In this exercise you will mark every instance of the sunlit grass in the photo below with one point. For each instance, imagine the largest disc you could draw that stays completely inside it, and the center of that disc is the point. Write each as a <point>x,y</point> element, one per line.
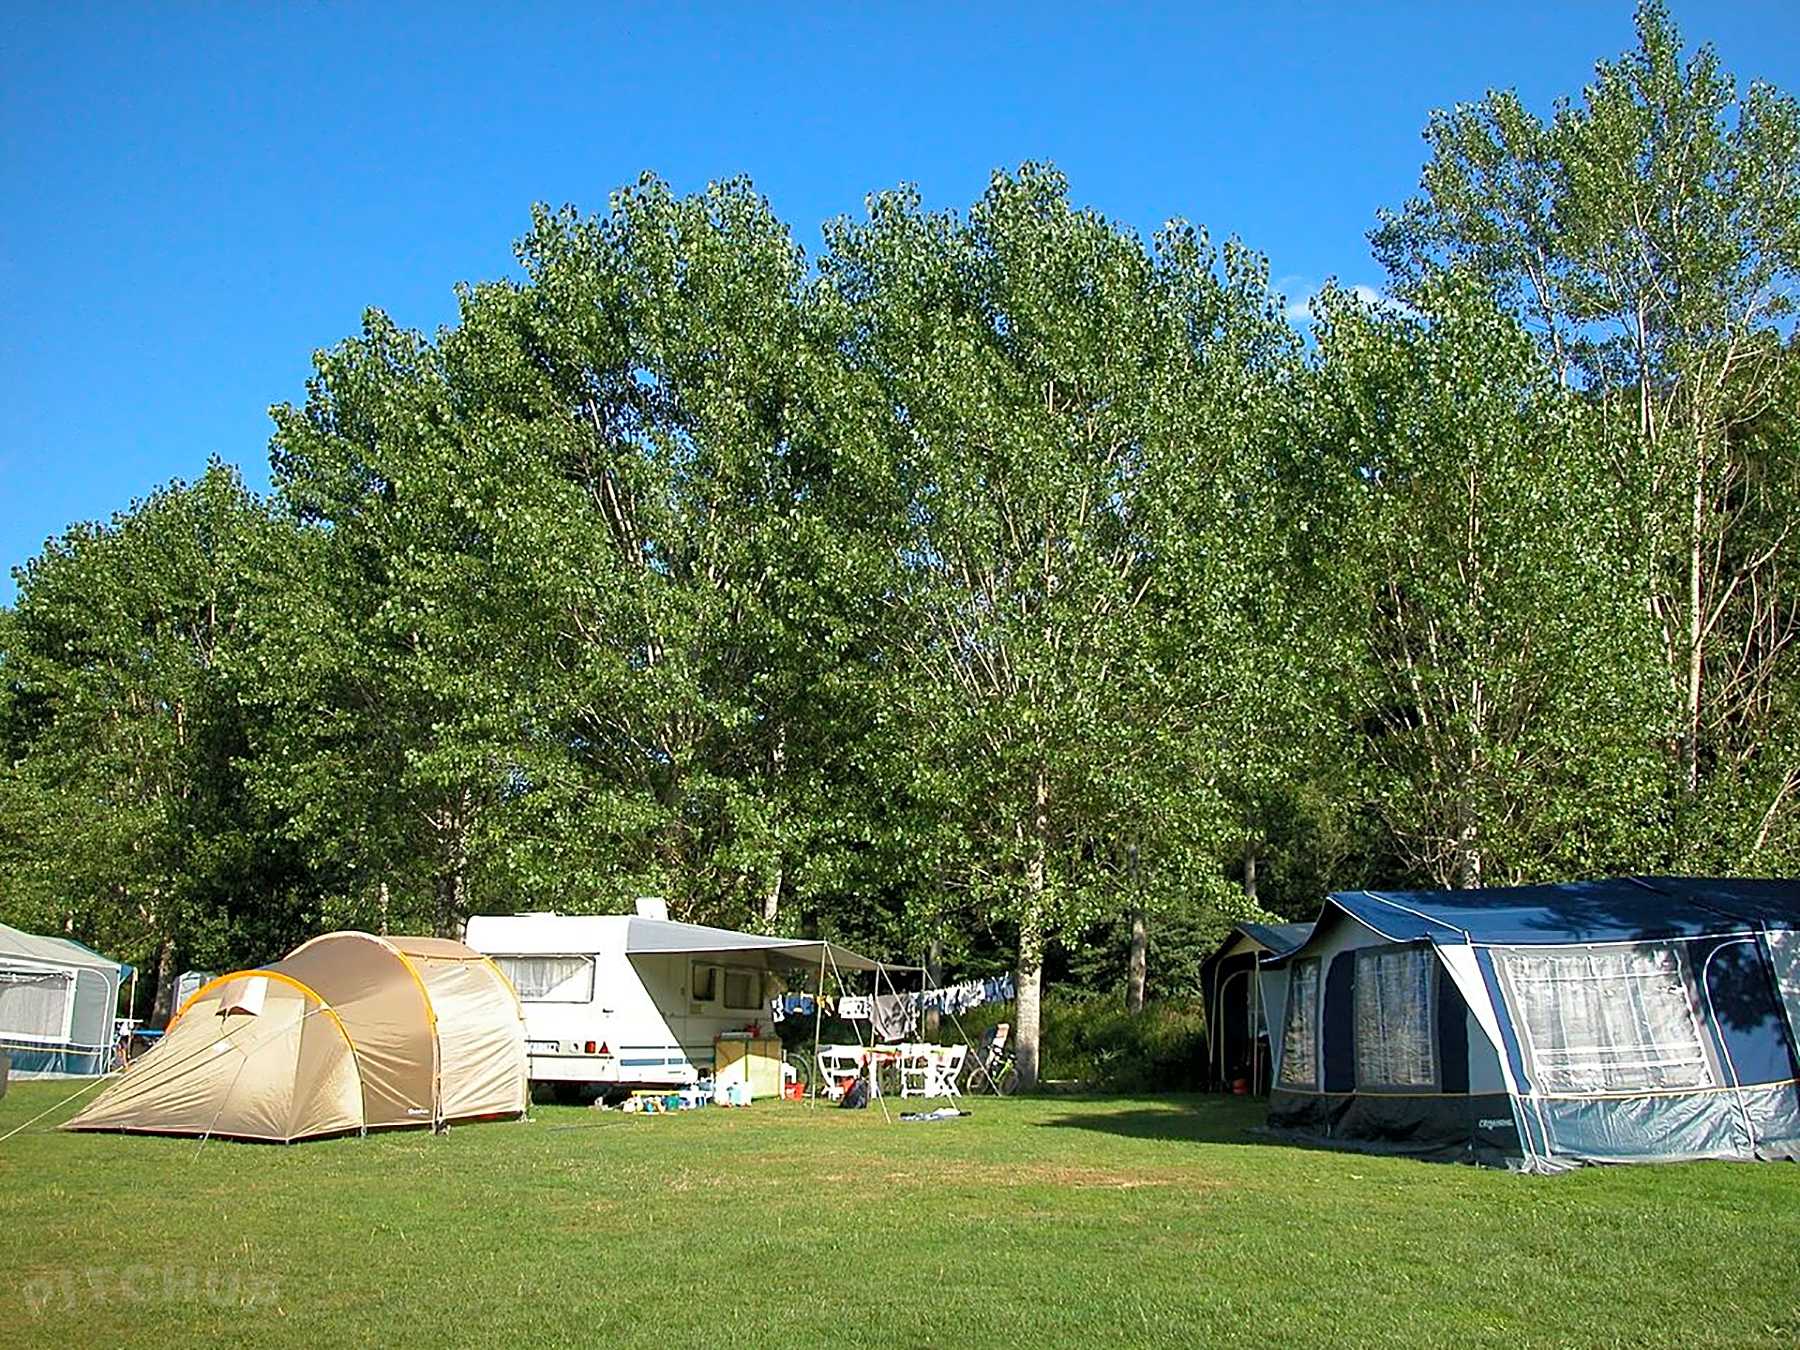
<point>1054,1221</point>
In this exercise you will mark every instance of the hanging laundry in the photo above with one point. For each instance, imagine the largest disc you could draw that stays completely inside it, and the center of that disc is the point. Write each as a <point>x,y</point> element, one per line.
<point>966,994</point>
<point>895,1016</point>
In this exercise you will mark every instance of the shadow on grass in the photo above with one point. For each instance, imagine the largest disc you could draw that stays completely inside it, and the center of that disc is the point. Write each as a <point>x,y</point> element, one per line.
<point>1199,1121</point>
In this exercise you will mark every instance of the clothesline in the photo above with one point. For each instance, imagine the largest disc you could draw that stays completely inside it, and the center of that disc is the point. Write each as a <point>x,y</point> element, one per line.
<point>894,1015</point>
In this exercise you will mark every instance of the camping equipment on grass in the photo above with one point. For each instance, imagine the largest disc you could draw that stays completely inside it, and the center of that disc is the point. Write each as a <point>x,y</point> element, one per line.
<point>1240,990</point>
<point>1632,1020</point>
<point>57,1002</point>
<point>349,1032</point>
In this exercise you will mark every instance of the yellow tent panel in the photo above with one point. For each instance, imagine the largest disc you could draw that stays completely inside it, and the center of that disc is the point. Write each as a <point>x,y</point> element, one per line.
<point>349,1032</point>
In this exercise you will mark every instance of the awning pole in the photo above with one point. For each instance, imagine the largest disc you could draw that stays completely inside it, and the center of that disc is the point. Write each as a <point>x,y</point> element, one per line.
<point>1255,1019</point>
<point>869,1047</point>
<point>812,1072</point>
<point>1214,1055</point>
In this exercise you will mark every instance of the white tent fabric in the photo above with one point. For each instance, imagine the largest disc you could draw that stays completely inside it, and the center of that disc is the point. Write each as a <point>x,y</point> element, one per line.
<point>652,936</point>
<point>57,1001</point>
<point>54,950</point>
<point>480,1029</point>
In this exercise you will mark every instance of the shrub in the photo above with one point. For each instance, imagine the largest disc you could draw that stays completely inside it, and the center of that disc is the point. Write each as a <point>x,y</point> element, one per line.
<point>1092,1039</point>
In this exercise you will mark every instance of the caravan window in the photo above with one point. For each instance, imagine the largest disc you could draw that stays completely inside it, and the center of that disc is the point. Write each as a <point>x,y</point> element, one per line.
<point>1394,1014</point>
<point>703,981</point>
<point>1607,1019</point>
<point>1300,1039</point>
<point>550,979</point>
<point>743,989</point>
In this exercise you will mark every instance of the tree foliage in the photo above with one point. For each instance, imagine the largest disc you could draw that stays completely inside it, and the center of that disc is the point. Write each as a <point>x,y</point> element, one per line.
<point>1504,679</point>
<point>995,585</point>
<point>1651,235</point>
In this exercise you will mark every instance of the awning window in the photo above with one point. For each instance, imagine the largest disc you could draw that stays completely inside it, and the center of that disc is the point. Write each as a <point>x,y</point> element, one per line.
<point>1599,1020</point>
<point>1395,1046</point>
<point>1300,1037</point>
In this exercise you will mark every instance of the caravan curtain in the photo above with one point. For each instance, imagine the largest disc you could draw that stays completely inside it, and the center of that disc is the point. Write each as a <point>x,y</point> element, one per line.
<point>550,979</point>
<point>1607,1019</point>
<point>1394,1042</point>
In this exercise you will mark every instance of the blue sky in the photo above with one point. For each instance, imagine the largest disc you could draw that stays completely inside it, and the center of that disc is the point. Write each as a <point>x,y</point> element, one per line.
<point>194,198</point>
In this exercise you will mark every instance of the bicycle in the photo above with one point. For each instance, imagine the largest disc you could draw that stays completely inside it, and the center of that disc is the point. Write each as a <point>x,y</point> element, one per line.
<point>993,1069</point>
<point>124,1030</point>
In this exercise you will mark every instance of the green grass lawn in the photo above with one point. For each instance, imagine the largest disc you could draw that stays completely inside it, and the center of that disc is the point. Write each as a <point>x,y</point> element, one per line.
<point>1054,1221</point>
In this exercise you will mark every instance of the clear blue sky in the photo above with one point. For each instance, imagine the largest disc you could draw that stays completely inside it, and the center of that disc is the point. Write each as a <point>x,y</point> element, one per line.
<point>194,198</point>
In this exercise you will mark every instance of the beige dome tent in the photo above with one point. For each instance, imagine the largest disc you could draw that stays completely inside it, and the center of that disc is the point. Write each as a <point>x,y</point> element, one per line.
<point>349,1032</point>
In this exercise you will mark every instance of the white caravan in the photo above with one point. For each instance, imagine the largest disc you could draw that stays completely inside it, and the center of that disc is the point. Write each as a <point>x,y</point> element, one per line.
<point>628,1001</point>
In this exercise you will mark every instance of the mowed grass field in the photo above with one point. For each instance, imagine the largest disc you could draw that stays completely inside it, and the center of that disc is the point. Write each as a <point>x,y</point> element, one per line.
<point>1033,1222</point>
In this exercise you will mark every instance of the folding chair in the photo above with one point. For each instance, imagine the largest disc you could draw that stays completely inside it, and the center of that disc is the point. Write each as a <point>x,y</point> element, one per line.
<point>944,1067</point>
<point>916,1065</point>
<point>837,1065</point>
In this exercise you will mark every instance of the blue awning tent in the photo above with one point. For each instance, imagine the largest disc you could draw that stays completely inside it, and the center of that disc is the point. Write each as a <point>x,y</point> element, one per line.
<point>1239,997</point>
<point>1638,1019</point>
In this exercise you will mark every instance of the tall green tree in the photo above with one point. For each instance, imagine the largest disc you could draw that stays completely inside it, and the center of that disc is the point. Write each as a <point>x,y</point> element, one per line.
<point>127,822</point>
<point>596,594</point>
<point>1650,233</point>
<point>677,349</point>
<point>1503,673</point>
<point>1074,422</point>
<point>396,673</point>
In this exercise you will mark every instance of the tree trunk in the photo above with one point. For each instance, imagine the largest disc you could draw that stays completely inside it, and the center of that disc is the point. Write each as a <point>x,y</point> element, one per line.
<point>1468,863</point>
<point>771,906</point>
<point>381,907</point>
<point>1029,982</point>
<point>934,978</point>
<point>166,977</point>
<point>777,770</point>
<point>1690,747</point>
<point>1029,977</point>
<point>1250,871</point>
<point>1137,968</point>
<point>1467,875</point>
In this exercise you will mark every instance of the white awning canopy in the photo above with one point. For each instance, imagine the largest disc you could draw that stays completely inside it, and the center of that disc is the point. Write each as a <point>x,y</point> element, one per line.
<point>646,937</point>
<point>54,951</point>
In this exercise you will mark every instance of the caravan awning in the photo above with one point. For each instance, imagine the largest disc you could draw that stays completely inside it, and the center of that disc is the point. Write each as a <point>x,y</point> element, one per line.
<point>646,937</point>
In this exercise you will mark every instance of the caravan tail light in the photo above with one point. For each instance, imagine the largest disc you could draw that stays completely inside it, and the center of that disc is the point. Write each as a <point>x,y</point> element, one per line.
<point>589,1047</point>
<point>603,1049</point>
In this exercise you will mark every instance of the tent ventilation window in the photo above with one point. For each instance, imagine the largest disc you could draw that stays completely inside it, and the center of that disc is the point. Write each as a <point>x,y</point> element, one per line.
<point>246,996</point>
<point>1607,1019</point>
<point>1300,1039</point>
<point>34,1004</point>
<point>1394,1016</point>
<point>550,979</point>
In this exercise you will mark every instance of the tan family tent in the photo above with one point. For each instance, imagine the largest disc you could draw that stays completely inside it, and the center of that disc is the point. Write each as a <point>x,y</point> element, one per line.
<point>349,1032</point>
